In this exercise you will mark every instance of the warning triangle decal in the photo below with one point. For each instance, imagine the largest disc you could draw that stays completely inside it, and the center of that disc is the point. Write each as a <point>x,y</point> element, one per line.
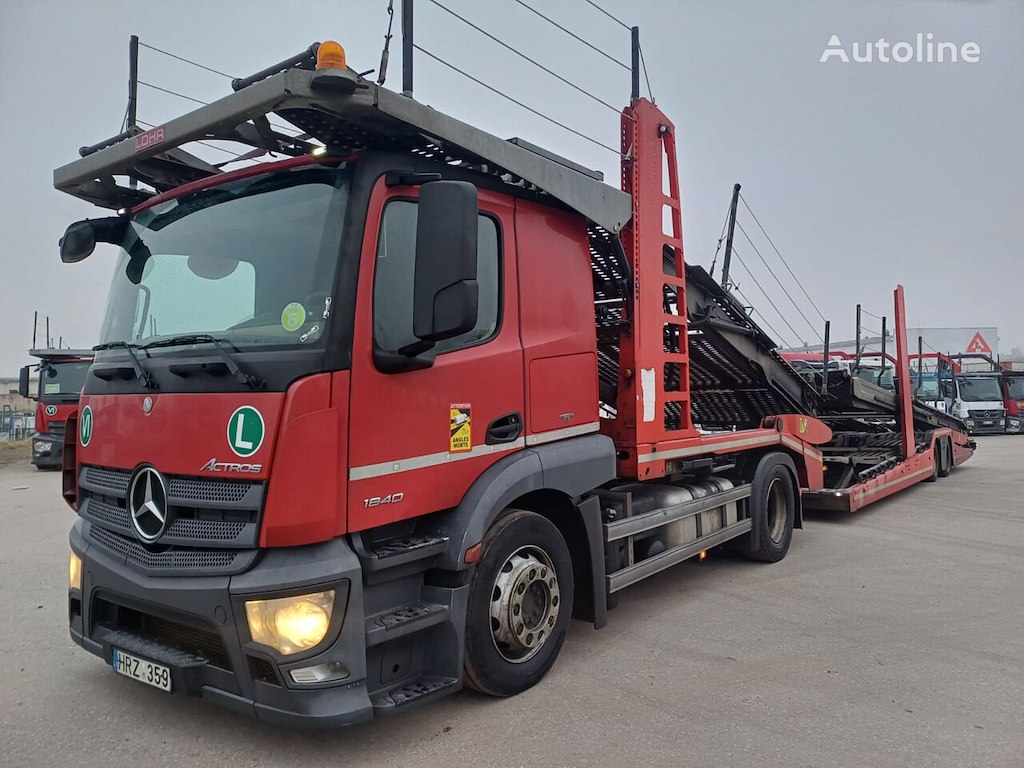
<point>978,344</point>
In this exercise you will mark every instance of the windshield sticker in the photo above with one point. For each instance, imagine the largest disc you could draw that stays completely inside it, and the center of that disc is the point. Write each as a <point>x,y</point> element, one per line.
<point>245,431</point>
<point>293,317</point>
<point>85,426</point>
<point>51,389</point>
<point>460,428</point>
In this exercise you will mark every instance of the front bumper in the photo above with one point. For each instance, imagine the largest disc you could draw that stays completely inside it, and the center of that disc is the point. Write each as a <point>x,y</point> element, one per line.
<point>197,627</point>
<point>47,452</point>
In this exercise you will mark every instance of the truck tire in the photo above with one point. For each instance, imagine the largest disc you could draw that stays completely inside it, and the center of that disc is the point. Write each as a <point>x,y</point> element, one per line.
<point>772,508</point>
<point>936,463</point>
<point>946,456</point>
<point>520,601</point>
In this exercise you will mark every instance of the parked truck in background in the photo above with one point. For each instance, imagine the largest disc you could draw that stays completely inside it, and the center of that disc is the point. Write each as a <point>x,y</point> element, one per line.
<point>371,423</point>
<point>61,375</point>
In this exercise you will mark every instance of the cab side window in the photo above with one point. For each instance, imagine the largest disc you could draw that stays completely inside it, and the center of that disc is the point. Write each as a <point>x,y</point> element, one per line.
<point>393,281</point>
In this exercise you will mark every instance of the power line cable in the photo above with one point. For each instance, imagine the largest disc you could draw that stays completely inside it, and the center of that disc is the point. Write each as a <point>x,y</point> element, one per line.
<point>754,310</point>
<point>766,296</point>
<point>781,258</point>
<point>187,61</point>
<point>618,21</point>
<point>205,103</point>
<point>513,100</point>
<point>643,65</point>
<point>522,55</point>
<point>772,273</point>
<point>573,35</point>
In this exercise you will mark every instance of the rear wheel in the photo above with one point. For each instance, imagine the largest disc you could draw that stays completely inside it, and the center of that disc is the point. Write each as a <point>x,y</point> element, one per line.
<point>520,601</point>
<point>936,463</point>
<point>946,456</point>
<point>772,509</point>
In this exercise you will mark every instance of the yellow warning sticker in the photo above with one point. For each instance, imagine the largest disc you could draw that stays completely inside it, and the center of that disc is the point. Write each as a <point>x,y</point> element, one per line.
<point>460,428</point>
<point>803,425</point>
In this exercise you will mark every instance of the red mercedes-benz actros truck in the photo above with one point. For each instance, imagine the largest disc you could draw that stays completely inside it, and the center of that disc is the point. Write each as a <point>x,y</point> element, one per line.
<point>61,375</point>
<point>370,423</point>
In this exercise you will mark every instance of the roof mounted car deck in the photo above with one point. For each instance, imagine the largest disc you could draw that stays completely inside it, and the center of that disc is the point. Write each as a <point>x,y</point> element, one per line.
<point>342,111</point>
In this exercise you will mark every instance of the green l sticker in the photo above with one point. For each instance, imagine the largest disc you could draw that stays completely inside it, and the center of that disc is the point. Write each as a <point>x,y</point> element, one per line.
<point>245,431</point>
<point>85,426</point>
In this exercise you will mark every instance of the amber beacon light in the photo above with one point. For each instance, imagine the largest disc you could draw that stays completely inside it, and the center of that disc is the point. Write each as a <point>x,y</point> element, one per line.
<point>330,55</point>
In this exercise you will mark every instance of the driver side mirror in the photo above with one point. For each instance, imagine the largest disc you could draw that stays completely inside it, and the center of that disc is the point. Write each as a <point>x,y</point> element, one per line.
<point>23,380</point>
<point>445,291</point>
<point>80,238</point>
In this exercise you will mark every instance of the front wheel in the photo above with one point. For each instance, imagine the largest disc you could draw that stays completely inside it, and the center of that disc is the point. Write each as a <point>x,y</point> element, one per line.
<point>520,601</point>
<point>773,508</point>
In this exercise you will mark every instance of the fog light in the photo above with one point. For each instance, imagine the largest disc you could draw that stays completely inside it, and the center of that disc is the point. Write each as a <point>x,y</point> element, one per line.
<point>290,624</point>
<point>321,673</point>
<point>74,572</point>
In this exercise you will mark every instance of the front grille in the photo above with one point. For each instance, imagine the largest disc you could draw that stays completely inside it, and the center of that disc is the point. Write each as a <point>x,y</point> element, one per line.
<point>995,413</point>
<point>202,512</point>
<point>56,428</point>
<point>205,530</point>
<point>172,558</point>
<point>111,479</point>
<point>205,642</point>
<point>209,491</point>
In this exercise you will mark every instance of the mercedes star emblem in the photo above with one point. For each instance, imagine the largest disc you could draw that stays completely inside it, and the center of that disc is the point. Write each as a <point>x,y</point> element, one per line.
<point>147,503</point>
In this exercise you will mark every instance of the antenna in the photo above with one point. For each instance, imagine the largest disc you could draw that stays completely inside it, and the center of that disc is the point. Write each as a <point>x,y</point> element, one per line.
<point>728,238</point>
<point>133,93</point>
<point>407,47</point>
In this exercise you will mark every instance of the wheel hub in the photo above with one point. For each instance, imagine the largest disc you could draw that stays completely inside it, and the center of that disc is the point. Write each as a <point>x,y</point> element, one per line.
<point>524,604</point>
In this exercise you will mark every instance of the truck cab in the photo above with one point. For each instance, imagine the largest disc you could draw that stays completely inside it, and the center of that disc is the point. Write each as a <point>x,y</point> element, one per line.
<point>61,373</point>
<point>979,402</point>
<point>1013,400</point>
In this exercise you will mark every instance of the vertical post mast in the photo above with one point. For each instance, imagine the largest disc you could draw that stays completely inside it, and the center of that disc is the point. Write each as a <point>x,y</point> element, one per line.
<point>905,416</point>
<point>727,260</point>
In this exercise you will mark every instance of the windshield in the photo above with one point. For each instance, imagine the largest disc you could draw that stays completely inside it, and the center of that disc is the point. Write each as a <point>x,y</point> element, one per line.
<point>981,389</point>
<point>872,375</point>
<point>61,381</point>
<point>929,389</point>
<point>1016,387</point>
<point>251,262</point>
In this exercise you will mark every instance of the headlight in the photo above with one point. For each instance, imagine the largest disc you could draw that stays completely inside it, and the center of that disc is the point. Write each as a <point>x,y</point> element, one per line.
<point>74,572</point>
<point>41,447</point>
<point>290,624</point>
<point>969,422</point>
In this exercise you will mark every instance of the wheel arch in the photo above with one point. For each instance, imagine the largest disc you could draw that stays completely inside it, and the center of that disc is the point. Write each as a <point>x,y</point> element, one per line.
<point>550,480</point>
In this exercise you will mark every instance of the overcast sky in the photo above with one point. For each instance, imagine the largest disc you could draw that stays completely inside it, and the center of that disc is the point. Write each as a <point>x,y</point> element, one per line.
<point>864,175</point>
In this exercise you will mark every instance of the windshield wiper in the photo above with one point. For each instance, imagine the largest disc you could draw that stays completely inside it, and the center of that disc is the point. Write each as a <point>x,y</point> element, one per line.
<point>204,338</point>
<point>143,375</point>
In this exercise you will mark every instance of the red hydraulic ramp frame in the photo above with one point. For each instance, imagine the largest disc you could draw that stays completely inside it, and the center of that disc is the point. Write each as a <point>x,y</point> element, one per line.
<point>653,427</point>
<point>917,462</point>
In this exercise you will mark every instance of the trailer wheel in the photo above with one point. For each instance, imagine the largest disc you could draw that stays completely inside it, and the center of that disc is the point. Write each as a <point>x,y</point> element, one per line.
<point>520,602</point>
<point>772,509</point>
<point>946,457</point>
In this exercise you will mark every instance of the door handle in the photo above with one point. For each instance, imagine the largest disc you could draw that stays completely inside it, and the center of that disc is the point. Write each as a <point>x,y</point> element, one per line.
<point>504,429</point>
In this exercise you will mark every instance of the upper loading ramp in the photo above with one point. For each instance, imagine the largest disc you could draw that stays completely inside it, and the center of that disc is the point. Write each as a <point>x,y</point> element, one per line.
<point>737,376</point>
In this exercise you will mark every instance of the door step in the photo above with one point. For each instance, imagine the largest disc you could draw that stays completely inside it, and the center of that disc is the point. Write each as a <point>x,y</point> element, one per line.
<point>399,622</point>
<point>406,549</point>
<point>420,690</point>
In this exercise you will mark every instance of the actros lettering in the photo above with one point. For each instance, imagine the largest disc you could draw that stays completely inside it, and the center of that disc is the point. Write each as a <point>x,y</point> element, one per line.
<point>229,466</point>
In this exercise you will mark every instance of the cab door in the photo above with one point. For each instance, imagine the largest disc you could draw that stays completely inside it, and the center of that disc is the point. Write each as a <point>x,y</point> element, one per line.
<point>419,438</point>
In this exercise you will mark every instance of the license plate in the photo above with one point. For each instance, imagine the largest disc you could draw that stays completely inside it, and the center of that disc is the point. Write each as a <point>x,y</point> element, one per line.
<point>142,670</point>
<point>987,423</point>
